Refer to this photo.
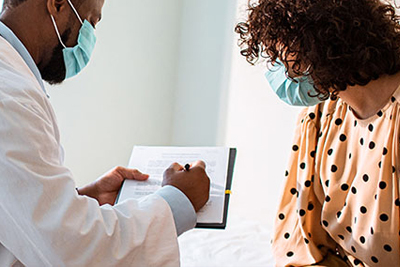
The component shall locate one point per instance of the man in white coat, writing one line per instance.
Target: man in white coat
(44, 219)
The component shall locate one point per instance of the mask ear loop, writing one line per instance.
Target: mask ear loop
(58, 33)
(76, 12)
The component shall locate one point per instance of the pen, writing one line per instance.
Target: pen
(187, 167)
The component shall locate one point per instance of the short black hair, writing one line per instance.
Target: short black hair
(12, 3)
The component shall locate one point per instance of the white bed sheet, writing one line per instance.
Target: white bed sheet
(242, 243)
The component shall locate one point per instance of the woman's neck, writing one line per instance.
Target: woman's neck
(369, 99)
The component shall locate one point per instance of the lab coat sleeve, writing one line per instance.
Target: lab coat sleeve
(184, 214)
(44, 222)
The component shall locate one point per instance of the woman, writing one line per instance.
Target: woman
(340, 205)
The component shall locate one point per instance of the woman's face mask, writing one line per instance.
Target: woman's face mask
(294, 94)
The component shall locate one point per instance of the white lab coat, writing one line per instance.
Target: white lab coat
(43, 221)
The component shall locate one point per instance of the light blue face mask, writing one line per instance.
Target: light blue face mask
(294, 94)
(77, 57)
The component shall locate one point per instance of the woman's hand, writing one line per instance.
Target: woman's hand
(105, 189)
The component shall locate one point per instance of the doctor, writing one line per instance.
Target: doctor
(44, 220)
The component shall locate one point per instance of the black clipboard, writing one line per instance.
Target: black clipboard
(231, 165)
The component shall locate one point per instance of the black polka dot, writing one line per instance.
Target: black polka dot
(327, 198)
(363, 210)
(353, 249)
(385, 151)
(310, 206)
(307, 183)
(372, 231)
(341, 237)
(295, 147)
(382, 185)
(325, 223)
(365, 177)
(393, 99)
(309, 235)
(357, 261)
(333, 168)
(354, 190)
(338, 214)
(371, 145)
(306, 240)
(362, 141)
(384, 217)
(355, 123)
(312, 154)
(348, 228)
(380, 164)
(330, 151)
(286, 173)
(370, 127)
(374, 259)
(375, 196)
(387, 248)
(281, 216)
(312, 178)
(287, 235)
(302, 166)
(327, 183)
(338, 121)
(349, 155)
(342, 137)
(397, 202)
(362, 239)
(302, 212)
(290, 254)
(393, 169)
(293, 191)
(380, 113)
(312, 115)
(344, 187)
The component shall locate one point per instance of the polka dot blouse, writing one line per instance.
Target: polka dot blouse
(341, 193)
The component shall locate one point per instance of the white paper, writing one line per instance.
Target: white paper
(155, 160)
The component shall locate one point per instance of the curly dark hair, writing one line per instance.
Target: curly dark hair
(342, 42)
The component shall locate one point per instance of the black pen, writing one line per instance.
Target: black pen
(187, 167)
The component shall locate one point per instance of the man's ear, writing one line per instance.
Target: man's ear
(56, 6)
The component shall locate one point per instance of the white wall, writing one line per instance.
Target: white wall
(261, 127)
(203, 72)
(126, 94)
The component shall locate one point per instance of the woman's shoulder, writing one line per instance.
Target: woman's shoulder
(316, 115)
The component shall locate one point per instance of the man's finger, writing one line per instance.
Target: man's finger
(132, 174)
(176, 166)
(199, 163)
(173, 168)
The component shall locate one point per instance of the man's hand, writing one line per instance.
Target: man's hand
(194, 183)
(105, 189)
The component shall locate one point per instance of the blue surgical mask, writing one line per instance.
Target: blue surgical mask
(291, 92)
(77, 57)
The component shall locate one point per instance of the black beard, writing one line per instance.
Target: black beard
(54, 72)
